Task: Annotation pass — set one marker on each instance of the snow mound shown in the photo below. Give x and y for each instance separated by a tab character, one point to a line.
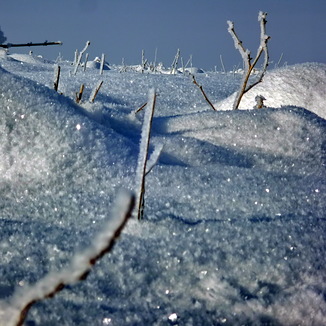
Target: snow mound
28	58
301	85
50	149
234	221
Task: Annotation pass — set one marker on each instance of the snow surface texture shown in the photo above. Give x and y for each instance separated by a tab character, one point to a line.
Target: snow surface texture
234	222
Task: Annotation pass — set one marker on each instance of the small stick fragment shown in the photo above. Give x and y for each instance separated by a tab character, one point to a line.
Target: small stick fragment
139	109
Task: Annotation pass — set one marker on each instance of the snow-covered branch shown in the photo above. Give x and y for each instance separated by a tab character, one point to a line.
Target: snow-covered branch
80	56
247	59
82	263
142	169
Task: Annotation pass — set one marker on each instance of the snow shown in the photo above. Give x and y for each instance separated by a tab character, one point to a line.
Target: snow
234	222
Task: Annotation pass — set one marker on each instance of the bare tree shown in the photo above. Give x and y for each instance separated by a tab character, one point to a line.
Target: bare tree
247	59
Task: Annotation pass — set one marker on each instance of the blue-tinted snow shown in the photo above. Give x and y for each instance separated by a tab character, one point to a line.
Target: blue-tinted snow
234	225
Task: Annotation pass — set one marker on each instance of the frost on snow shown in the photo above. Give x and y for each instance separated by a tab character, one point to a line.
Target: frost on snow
234	224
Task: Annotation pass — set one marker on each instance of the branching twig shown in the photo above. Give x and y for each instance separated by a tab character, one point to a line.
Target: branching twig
80	56
143	154
79	269
245	54
203	92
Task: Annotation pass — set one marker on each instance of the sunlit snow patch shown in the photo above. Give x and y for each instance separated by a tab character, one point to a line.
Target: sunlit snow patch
300	85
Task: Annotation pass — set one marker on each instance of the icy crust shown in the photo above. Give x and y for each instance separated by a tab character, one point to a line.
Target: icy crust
300	85
234	224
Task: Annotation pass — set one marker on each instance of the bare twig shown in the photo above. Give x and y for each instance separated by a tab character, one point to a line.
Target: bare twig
95	91
174	64
80	56
140	108
79	268
203	92
12	45
247	59
143	154
86	59
80	93
102	63
56	77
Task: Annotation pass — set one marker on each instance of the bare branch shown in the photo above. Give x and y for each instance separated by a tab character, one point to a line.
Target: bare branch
95	91
12	45
143	153
79	268
203	92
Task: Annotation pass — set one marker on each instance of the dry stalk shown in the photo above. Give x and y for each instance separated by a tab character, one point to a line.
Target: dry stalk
95	91
203	92
143	155
56	77
80	93
140	108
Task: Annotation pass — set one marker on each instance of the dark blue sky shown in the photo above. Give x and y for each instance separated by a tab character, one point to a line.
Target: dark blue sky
122	28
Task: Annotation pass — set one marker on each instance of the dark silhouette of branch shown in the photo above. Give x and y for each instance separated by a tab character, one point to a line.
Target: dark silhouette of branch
13	45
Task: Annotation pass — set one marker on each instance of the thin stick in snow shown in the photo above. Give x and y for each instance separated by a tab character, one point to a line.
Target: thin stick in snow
245	54
95	91
203	92
140	108
86	59
102	63
143	154
57	70
174	65
80	93
76	57
154	158
80	56
80	266
222	63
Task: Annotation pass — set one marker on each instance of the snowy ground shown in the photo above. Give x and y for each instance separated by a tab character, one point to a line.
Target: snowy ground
234	225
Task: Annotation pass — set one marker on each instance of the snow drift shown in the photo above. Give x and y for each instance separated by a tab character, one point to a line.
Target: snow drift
234	224
300	85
